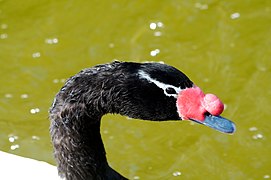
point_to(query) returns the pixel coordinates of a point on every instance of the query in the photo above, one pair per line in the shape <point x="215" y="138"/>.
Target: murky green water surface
<point x="223" y="46"/>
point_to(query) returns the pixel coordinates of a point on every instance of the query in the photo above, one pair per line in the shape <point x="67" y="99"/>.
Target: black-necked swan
<point x="149" y="91"/>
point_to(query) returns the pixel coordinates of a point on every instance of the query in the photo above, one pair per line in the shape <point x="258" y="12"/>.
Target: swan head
<point x="172" y="90"/>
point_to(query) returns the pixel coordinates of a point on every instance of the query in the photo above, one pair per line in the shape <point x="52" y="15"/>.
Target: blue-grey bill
<point x="218" y="123"/>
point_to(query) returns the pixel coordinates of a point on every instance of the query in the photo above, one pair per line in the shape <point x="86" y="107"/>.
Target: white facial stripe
<point x="161" y="85"/>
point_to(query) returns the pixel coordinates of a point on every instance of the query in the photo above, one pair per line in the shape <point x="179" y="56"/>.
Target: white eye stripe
<point x="159" y="84"/>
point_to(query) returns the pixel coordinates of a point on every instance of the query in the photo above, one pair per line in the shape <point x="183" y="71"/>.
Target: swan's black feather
<point x="109" y="88"/>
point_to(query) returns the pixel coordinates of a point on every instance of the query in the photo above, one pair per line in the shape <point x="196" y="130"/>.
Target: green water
<point x="223" y="46"/>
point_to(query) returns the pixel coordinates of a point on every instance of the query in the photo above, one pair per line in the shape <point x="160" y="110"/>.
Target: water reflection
<point x="136" y="177"/>
<point x="155" y="52"/>
<point x="51" y="40"/>
<point x="55" y="81"/>
<point x="257" y="136"/>
<point x="36" y="55"/>
<point x="4" y="36"/>
<point x="36" y="138"/>
<point x="34" y="110"/>
<point x="156" y="26"/>
<point x="201" y="6"/>
<point x="176" y="173"/>
<point x="8" y="95"/>
<point x="14" y="147"/>
<point x="12" y="138"/>
<point x="24" y="96"/>
<point x="235" y="15"/>
<point x="253" y="129"/>
<point x="4" y="26"/>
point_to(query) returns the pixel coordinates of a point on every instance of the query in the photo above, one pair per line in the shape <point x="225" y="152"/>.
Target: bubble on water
<point x="136" y="177"/>
<point x="157" y="33"/>
<point x="14" y="147"/>
<point x="12" y="138"/>
<point x="257" y="136"/>
<point x="59" y="81"/>
<point x="4" y="36"/>
<point x="24" y="96"/>
<point x="201" y="6"/>
<point x="154" y="52"/>
<point x="176" y="173"/>
<point x="153" y="26"/>
<point x="253" y="129"/>
<point x="160" y="24"/>
<point x="235" y="15"/>
<point x="36" y="55"/>
<point x="111" y="45"/>
<point x="4" y="26"/>
<point x="34" y="110"/>
<point x="51" y="41"/>
<point x="56" y="81"/>
<point x="266" y="176"/>
<point x="36" y="138"/>
<point x="8" y="95"/>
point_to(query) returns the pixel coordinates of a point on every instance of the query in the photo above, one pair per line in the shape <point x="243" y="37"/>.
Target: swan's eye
<point x="170" y="90"/>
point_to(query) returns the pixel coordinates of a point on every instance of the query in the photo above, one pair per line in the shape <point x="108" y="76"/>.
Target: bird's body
<point x="146" y="91"/>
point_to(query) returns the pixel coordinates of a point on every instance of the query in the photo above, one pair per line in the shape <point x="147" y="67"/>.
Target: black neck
<point x="78" y="147"/>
